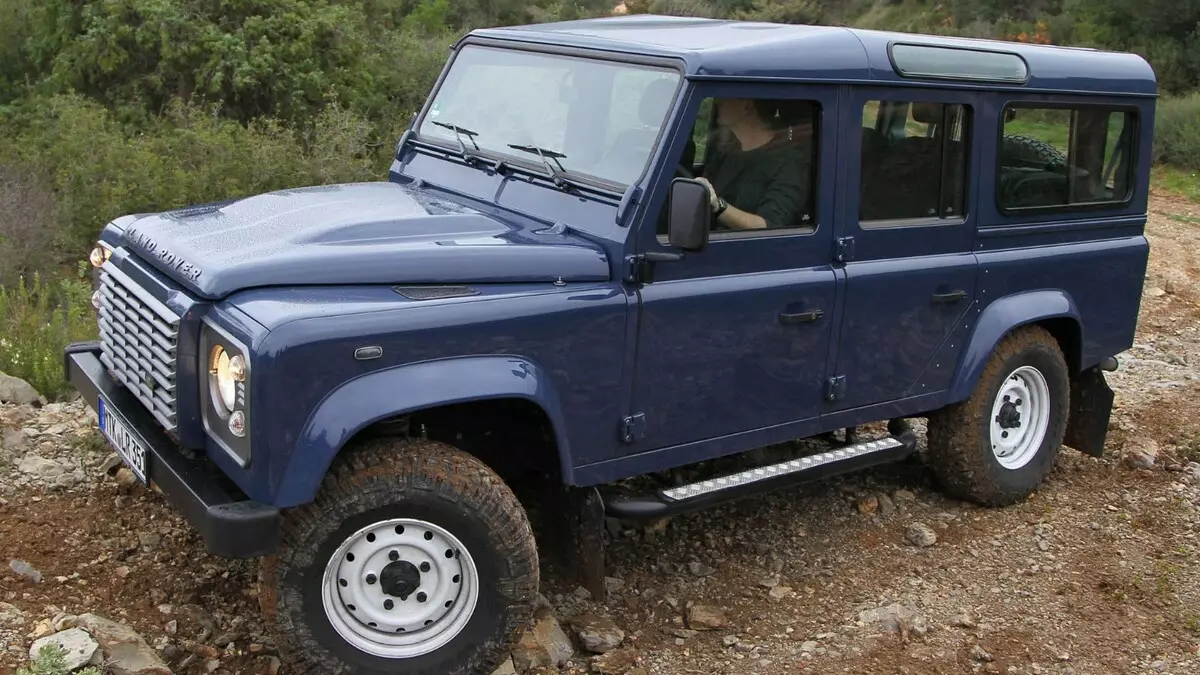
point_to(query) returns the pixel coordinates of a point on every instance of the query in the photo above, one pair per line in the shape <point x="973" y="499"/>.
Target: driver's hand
<point x="712" y="193"/>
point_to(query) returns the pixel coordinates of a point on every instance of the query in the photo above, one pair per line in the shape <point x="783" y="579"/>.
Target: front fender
<point x="383" y="394"/>
<point x="1000" y="318"/>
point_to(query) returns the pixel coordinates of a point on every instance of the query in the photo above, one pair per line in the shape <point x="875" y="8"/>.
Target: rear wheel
<point x="415" y="557"/>
<point x="998" y="446"/>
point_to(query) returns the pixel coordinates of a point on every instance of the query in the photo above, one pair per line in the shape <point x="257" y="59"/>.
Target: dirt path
<point x="1098" y="573"/>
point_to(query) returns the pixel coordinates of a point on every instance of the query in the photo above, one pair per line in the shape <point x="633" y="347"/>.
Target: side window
<point x="1063" y="157"/>
<point x="758" y="155"/>
<point x="914" y="161"/>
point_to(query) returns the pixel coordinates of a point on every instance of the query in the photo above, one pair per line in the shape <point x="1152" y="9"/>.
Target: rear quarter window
<point x="1065" y="158"/>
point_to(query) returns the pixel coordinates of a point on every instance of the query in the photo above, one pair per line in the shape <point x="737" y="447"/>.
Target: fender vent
<point x="435" y="292"/>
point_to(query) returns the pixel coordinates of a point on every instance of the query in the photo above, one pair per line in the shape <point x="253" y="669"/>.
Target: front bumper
<point x="230" y="527"/>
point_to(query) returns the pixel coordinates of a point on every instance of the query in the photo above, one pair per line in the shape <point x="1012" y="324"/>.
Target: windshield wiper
<point x="459" y="132"/>
<point x="556" y="175"/>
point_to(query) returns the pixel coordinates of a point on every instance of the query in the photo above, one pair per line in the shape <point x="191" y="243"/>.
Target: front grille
<point x="139" y="336"/>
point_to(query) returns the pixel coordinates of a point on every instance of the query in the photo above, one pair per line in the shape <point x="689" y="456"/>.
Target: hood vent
<point x="435" y="292"/>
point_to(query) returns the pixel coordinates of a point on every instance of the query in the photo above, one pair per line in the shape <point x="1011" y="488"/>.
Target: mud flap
<point x="585" y="539"/>
<point x="1091" y="407"/>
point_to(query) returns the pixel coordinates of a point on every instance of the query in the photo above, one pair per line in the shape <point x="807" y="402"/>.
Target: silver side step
<point x="775" y="470"/>
<point x="897" y="446"/>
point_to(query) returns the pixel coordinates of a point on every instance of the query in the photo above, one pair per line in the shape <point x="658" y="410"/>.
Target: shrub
<point x="37" y="319"/>
<point x="27" y="232"/>
<point x="99" y="170"/>
<point x="51" y="660"/>
<point x="1177" y="132"/>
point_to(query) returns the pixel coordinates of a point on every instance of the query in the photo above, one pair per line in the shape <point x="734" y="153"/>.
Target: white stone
<point x="78" y="646"/>
<point x="16" y="390"/>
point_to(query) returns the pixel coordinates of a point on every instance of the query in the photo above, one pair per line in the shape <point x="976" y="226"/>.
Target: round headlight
<point x="99" y="256"/>
<point x="221" y="379"/>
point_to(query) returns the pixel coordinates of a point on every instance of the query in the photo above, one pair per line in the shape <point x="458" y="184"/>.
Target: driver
<point x="757" y="174"/>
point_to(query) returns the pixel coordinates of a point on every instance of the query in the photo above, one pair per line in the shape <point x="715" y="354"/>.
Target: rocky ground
<point x="1097" y="573"/>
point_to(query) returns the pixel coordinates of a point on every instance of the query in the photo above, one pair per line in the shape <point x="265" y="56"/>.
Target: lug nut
<point x="421" y="597"/>
<point x="392" y="555"/>
<point x="371" y="579"/>
<point x="424" y="567"/>
<point x="388" y="604"/>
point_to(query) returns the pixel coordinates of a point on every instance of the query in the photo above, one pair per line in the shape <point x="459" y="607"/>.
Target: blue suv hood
<point x="359" y="233"/>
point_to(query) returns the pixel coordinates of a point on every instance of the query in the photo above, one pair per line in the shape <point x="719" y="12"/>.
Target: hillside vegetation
<point x="118" y="106"/>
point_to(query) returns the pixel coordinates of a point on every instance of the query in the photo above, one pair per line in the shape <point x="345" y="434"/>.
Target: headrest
<point x="783" y="113"/>
<point x="656" y="99"/>
<point x="927" y="113"/>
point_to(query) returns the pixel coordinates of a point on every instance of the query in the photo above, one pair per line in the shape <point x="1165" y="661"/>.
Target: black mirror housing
<point x="689" y="215"/>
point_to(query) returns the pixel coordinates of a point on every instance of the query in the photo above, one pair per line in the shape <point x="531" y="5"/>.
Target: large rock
<point x="597" y="634"/>
<point x="51" y="472"/>
<point x="1141" y="454"/>
<point x="704" y="617"/>
<point x="545" y="645"/>
<point x="11" y="616"/>
<point x="16" y="390"/>
<point x="506" y="668"/>
<point x="895" y="618"/>
<point x="921" y="535"/>
<point x="78" y="647"/>
<point x="125" y="652"/>
<point x="616" y="662"/>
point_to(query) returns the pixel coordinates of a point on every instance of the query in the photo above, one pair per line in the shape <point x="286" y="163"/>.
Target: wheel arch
<point x="1053" y="310"/>
<point x="420" y="391"/>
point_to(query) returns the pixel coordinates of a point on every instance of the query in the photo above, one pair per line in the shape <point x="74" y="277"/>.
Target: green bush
<point x="1177" y="132"/>
<point x="98" y="170"/>
<point x="51" y="660"/>
<point x="37" y="319"/>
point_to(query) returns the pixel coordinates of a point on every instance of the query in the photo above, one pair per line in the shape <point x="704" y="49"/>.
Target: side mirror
<point x="689" y="216"/>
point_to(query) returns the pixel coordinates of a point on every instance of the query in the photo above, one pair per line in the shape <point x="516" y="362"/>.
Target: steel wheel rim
<point x="400" y="588"/>
<point x="1020" y="417"/>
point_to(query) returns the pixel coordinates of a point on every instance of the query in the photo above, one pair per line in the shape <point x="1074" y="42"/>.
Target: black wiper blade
<point x="546" y="155"/>
<point x="459" y="132"/>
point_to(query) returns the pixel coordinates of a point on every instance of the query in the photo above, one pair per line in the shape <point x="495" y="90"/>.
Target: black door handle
<point x="952" y="296"/>
<point x="800" y="317"/>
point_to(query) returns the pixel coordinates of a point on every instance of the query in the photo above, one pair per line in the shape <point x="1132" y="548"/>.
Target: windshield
<point x="585" y="116"/>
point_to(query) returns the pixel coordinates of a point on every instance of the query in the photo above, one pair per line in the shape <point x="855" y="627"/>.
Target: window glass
<point x="914" y="161"/>
<point x="757" y="156"/>
<point x="1060" y="157"/>
<point x="593" y="117"/>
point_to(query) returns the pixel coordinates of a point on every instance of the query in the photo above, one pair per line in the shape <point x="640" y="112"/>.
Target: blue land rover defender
<point x="609" y="249"/>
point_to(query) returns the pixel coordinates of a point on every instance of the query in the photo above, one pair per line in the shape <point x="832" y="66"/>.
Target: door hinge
<point x="635" y="268"/>
<point x="633" y="428"/>
<point x="835" y="388"/>
<point x="845" y="249"/>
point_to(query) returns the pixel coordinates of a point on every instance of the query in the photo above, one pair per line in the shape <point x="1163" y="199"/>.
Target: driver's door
<point x="735" y="338"/>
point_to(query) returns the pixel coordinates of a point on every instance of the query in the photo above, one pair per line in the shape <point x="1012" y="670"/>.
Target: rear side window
<point x="914" y="161"/>
<point x="1065" y="158"/>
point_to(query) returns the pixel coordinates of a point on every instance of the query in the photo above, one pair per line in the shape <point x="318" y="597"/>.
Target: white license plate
<point x="128" y="447"/>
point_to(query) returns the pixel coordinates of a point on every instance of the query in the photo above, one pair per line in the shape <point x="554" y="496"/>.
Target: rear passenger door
<point x="905" y="241"/>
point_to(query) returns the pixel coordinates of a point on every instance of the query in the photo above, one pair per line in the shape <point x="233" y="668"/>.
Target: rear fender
<point x="384" y="394"/>
<point x="999" y="319"/>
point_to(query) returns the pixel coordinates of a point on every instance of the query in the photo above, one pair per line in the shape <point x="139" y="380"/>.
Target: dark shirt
<point x="770" y="181"/>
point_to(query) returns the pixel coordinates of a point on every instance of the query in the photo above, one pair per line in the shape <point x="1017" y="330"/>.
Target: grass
<point x="52" y="660"/>
<point x="37" y="319"/>
<point x="1178" y="181"/>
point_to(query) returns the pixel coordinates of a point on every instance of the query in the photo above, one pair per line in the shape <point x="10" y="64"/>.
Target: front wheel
<point x="415" y="558"/>
<point x="998" y="446"/>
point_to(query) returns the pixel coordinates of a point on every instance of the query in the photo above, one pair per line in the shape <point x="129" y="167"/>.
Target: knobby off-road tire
<point x="994" y="450"/>
<point x="404" y="534"/>
<point x="1030" y="152"/>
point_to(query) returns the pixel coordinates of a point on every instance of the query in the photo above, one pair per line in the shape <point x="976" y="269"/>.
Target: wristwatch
<point x="721" y="206"/>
